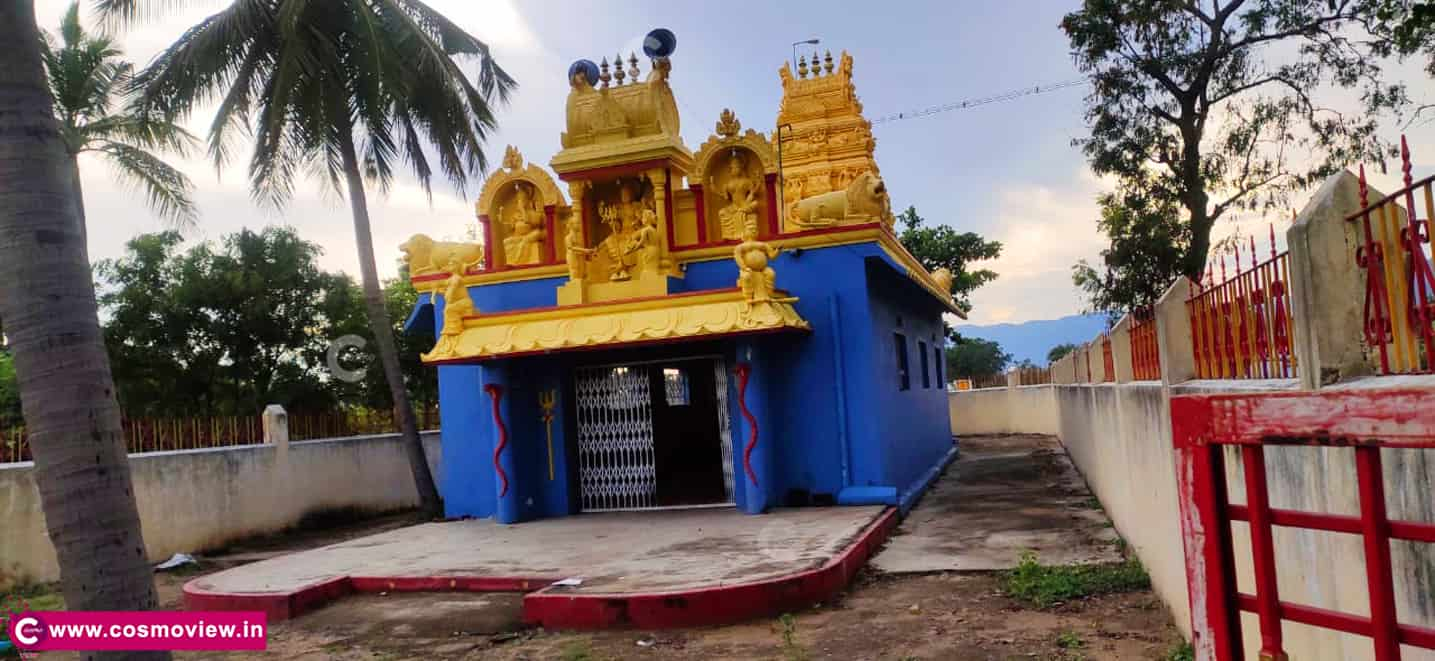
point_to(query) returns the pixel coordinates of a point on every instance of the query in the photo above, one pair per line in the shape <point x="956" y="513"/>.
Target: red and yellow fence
<point x="1108" y="361"/>
<point x="1240" y="328"/>
<point x="163" y="434"/>
<point x="1145" y="351"/>
<point x="1399" y="307"/>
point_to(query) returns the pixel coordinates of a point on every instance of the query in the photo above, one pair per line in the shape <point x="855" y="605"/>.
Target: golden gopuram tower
<point x="822" y="139"/>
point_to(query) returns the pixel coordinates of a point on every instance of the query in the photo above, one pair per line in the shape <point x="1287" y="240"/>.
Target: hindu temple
<point x="646" y="325"/>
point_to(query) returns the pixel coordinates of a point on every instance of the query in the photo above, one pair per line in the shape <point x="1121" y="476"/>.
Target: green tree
<point x="9" y="391"/>
<point x="47" y="300"/>
<point x="1147" y="240"/>
<point x="307" y="78"/>
<point x="1191" y="106"/>
<point x="228" y="328"/>
<point x="943" y="247"/>
<point x="970" y="356"/>
<point x="1058" y="352"/>
<point x="88" y="78"/>
<point x="1406" y="28"/>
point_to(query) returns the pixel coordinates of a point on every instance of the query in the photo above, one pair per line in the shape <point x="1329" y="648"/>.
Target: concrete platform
<point x="1006" y="495"/>
<point x="646" y="569"/>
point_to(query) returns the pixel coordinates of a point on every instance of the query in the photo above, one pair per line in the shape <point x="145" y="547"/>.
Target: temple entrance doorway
<point x="653" y="435"/>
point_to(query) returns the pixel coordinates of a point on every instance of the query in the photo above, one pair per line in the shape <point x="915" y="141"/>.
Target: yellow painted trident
<point x="548" y="399"/>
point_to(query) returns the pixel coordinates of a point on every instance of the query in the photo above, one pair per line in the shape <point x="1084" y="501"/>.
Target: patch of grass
<point x="1182" y="652"/>
<point x="1092" y="502"/>
<point x="1045" y="585"/>
<point x="791" y="649"/>
<point x="1069" y="640"/>
<point x="577" y="650"/>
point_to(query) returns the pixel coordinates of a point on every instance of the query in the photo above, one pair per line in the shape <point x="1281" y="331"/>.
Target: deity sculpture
<point x="644" y="242"/>
<point x="622" y="220"/>
<point x="457" y="305"/>
<point x="577" y="254"/>
<point x="525" y="229"/>
<point x="740" y="192"/>
<point x="755" y="278"/>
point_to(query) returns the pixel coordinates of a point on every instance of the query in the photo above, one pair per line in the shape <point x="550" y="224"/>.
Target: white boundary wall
<point x="193" y="500"/>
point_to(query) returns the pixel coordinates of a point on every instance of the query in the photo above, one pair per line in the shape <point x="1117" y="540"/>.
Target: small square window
<point x="675" y="386"/>
<point x="904" y="378"/>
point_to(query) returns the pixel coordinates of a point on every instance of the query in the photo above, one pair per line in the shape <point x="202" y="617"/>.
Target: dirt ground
<point x="938" y="615"/>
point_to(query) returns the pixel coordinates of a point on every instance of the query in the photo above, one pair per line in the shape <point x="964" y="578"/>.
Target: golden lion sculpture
<point x="428" y="256"/>
<point x="864" y="200"/>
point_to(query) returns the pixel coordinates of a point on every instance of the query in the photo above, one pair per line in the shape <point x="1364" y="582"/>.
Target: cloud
<point x="1043" y="230"/>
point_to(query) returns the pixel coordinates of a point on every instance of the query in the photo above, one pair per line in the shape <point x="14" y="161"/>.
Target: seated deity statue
<point x="525" y="239"/>
<point x="755" y="278"/>
<point x="740" y="192"/>
<point x="622" y="219"/>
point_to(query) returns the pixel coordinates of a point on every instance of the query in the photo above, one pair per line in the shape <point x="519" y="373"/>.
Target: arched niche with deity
<point x="734" y="182"/>
<point x="518" y="208"/>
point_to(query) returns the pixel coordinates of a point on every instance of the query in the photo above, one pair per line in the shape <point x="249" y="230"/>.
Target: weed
<point x="791" y="649"/>
<point x="1044" y="585"/>
<point x="1182" y="652"/>
<point x="1092" y="502"/>
<point x="1069" y="640"/>
<point x="577" y="650"/>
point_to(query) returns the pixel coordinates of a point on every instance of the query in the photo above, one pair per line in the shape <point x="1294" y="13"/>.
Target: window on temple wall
<point x="904" y="378"/>
<point x="922" y="351"/>
<point x="675" y="386"/>
<point x="937" y="366"/>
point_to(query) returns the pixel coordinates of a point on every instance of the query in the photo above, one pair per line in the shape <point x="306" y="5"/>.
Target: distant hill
<point x="1033" y="339"/>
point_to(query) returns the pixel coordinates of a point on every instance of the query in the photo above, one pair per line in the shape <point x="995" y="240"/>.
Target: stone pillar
<point x="1173" y="334"/>
<point x="1013" y="378"/>
<point x="752" y="446"/>
<point x="497" y="392"/>
<point x="276" y="425"/>
<point x="1121" y="351"/>
<point x="662" y="204"/>
<point x="1327" y="288"/>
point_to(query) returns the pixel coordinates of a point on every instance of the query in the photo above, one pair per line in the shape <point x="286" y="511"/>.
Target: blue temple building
<point x="654" y="327"/>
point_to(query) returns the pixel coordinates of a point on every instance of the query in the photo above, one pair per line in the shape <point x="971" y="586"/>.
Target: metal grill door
<point x="616" y="462"/>
<point x="724" y="425"/>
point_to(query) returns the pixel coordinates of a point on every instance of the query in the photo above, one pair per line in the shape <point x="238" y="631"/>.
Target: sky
<point x="1007" y="171"/>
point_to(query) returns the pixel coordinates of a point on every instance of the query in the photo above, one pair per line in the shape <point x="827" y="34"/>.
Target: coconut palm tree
<point x="87" y="78"/>
<point x="345" y="90"/>
<point x="47" y="300"/>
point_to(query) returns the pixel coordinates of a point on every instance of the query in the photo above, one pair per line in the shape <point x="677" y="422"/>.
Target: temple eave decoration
<point x="706" y="315"/>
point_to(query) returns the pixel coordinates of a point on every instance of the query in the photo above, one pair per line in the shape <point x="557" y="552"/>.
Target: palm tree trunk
<point x="383" y="331"/>
<point x="48" y="303"/>
<point x="80" y="203"/>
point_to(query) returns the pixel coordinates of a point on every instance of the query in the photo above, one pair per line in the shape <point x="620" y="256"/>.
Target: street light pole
<point x="814" y="41"/>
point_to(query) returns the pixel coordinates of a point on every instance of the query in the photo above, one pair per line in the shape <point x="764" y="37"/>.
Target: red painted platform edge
<point x="553" y="609"/>
<point x="286" y="605"/>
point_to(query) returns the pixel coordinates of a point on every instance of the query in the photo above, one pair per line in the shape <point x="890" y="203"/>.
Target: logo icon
<point x="336" y="348"/>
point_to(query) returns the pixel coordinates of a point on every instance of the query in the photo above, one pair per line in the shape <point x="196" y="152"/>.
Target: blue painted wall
<point x="852" y="295"/>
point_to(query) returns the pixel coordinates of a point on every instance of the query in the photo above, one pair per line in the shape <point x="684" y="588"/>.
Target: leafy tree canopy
<point x="88" y="78"/>
<point x="1058" y="352"/>
<point x="9" y="391"/>
<point x="1218" y="106"/>
<point x="230" y="327"/>
<point x="1147" y="239"/>
<point x="976" y="357"/>
<point x="941" y="246"/>
<point x="1407" y="28"/>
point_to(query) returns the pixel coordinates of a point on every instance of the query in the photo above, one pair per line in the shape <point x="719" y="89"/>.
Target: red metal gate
<point x="1366" y="420"/>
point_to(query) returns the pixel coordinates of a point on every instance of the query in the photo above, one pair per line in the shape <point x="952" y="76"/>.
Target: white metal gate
<point x="615" y="438"/>
<point x="724" y="425"/>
